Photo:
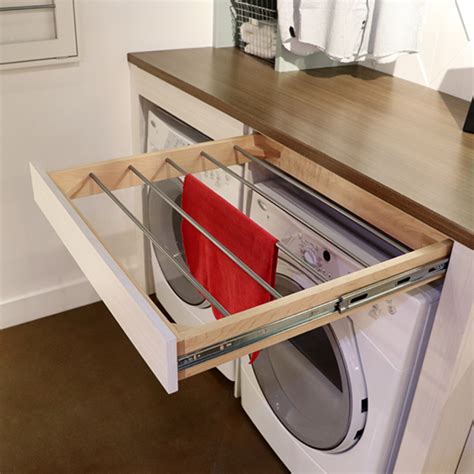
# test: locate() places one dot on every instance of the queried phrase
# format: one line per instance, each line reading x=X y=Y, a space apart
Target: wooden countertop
x=396 y=139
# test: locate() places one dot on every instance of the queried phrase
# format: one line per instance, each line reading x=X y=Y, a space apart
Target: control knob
x=310 y=256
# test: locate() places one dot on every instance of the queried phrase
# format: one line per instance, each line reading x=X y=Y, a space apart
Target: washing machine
x=335 y=399
x=183 y=303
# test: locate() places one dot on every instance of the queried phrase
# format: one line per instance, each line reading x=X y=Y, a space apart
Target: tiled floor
x=76 y=397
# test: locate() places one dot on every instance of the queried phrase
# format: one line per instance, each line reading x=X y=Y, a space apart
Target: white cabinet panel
x=33 y=31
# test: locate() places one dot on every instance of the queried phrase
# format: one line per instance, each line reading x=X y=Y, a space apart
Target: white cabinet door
x=36 y=30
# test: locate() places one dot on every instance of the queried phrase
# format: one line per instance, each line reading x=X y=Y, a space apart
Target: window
x=36 y=31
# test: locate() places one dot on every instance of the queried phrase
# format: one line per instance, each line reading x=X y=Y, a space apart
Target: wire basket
x=255 y=27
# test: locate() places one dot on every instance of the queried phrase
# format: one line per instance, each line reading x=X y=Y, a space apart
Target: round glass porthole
x=307 y=384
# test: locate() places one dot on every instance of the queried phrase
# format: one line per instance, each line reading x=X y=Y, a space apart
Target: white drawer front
x=133 y=310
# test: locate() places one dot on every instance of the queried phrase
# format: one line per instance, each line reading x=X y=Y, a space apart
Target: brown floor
x=75 y=396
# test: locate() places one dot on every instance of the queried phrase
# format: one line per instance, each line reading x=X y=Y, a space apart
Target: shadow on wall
x=346 y=69
x=456 y=80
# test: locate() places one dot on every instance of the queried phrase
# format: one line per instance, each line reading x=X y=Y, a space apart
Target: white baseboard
x=46 y=302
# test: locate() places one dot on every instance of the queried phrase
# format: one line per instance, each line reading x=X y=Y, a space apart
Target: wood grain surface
x=398 y=140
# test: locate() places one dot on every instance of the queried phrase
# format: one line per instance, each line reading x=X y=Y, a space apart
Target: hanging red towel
x=228 y=283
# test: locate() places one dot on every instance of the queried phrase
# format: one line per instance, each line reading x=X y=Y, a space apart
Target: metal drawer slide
x=345 y=303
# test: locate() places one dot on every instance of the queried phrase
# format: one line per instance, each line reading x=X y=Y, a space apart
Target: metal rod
x=321 y=198
x=176 y=166
x=209 y=236
x=283 y=208
x=151 y=237
x=28 y=7
x=314 y=272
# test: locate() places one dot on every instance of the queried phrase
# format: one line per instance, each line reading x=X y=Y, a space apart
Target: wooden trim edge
x=217 y=331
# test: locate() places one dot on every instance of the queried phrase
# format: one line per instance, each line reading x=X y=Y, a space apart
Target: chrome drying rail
x=173 y=351
x=340 y=305
x=13 y=8
x=281 y=247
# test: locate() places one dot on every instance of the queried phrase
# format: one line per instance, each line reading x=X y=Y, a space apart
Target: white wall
x=445 y=61
x=67 y=115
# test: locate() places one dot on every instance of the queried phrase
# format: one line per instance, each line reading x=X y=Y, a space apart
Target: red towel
x=228 y=283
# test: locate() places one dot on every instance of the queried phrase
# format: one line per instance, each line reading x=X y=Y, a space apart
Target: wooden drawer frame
x=162 y=343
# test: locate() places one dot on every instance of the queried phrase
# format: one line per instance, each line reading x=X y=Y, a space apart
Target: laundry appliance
x=335 y=399
x=184 y=304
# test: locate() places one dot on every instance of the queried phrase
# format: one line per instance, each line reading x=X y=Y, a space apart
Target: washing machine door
x=165 y=224
x=314 y=382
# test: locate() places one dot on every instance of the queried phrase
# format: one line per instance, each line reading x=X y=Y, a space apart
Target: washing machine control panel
x=318 y=254
x=216 y=179
x=313 y=249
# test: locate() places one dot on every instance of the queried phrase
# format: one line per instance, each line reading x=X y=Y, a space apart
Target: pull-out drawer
x=173 y=352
